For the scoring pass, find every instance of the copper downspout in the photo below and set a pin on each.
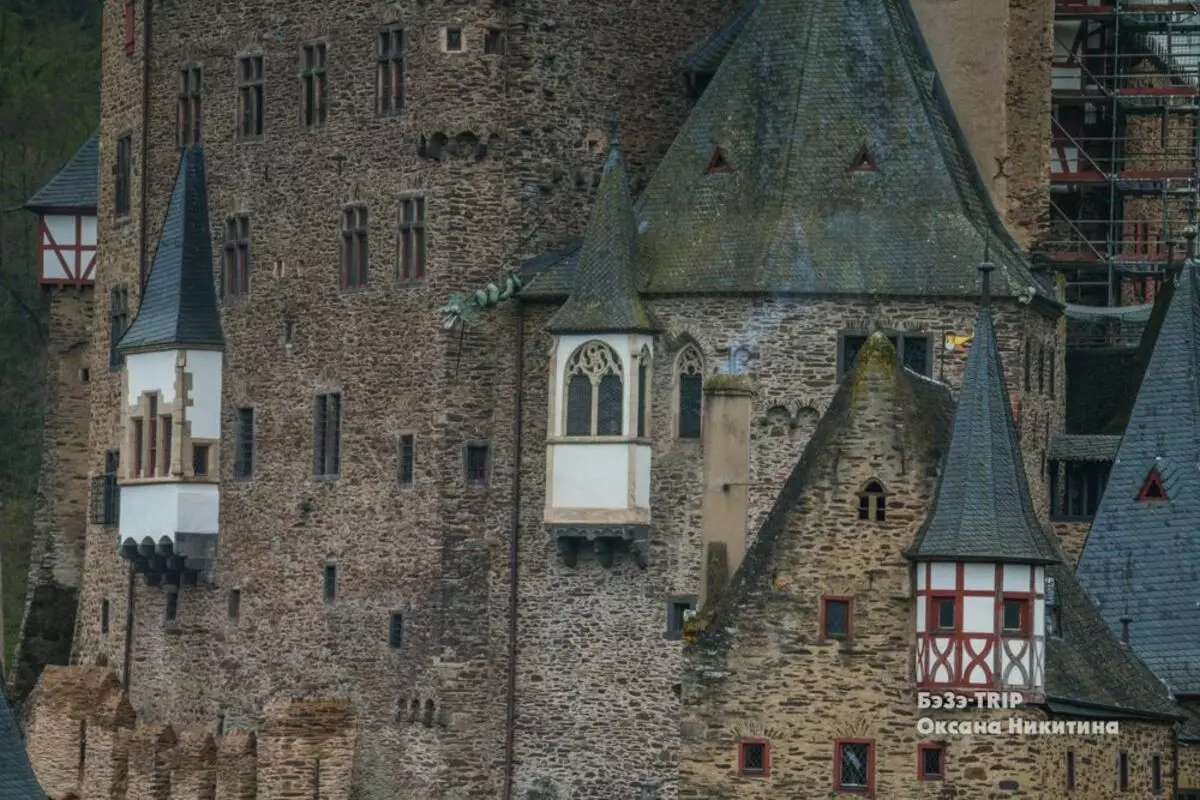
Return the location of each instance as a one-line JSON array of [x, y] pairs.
[[510, 724]]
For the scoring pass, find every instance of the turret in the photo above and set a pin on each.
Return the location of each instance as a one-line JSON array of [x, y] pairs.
[[980, 558], [598, 453], [170, 456]]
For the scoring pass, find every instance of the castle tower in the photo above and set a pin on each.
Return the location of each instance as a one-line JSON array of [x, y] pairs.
[[980, 558], [170, 495], [598, 453]]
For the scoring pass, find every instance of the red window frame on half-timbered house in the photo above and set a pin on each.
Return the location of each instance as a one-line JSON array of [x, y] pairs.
[[1023, 603], [749, 753], [839, 784]]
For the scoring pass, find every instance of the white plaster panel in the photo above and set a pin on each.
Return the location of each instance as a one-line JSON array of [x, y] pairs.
[[62, 228], [920, 570], [979, 577], [978, 674], [157, 510], [88, 232], [979, 614], [52, 268], [944, 576], [642, 478], [1039, 616], [150, 372], [591, 475], [1016, 577], [205, 411], [1039, 579], [922, 614], [941, 674]]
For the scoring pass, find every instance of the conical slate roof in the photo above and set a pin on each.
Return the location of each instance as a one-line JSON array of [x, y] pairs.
[[17, 781], [1142, 557], [74, 187], [847, 171], [179, 304], [605, 298], [982, 510]]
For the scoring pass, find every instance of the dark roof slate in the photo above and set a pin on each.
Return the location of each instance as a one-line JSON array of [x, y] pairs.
[[604, 297], [707, 57], [74, 187], [179, 303], [805, 86], [1142, 558], [982, 510], [1083, 447], [17, 781]]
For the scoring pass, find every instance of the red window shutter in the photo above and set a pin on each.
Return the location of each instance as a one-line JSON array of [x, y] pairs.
[[129, 26]]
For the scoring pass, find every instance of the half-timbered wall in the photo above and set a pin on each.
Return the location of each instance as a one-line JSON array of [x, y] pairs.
[[67, 245]]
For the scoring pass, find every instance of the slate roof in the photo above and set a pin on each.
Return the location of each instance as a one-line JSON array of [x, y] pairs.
[[604, 297], [707, 57], [1083, 447], [179, 303], [1142, 558], [74, 187], [17, 781], [982, 510], [805, 86]]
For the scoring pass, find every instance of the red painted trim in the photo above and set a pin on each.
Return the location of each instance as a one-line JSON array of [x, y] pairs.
[[837, 766], [1153, 490], [766, 770], [75, 276], [849, 601], [922, 775]]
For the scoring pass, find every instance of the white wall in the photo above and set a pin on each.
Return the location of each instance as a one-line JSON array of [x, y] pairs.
[[591, 475], [157, 510], [205, 411], [62, 229], [150, 372], [641, 478]]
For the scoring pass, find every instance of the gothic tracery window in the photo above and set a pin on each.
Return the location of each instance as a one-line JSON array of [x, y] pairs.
[[643, 405], [690, 371], [594, 391]]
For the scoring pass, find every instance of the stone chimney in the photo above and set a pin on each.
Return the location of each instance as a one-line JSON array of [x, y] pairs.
[[726, 503]]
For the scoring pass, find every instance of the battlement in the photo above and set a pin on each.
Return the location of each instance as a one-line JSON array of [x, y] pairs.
[[85, 741]]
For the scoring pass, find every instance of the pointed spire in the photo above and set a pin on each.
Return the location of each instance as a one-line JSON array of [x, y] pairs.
[[179, 304], [982, 510], [605, 297]]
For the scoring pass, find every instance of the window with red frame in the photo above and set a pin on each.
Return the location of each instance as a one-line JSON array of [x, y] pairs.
[[943, 613], [754, 759], [931, 762], [1015, 620], [854, 765]]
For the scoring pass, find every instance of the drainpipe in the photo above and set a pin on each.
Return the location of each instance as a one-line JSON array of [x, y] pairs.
[[510, 723], [128, 664], [145, 181]]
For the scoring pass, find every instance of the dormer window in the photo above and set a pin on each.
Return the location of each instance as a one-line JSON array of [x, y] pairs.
[[595, 394], [872, 502], [1152, 489]]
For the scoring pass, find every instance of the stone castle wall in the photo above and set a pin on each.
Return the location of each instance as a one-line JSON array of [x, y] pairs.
[[61, 510], [85, 742]]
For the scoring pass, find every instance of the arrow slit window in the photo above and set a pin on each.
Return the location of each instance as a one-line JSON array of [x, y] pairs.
[[594, 391], [121, 174]]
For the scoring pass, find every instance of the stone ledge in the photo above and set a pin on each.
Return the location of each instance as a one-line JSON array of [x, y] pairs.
[[605, 541]]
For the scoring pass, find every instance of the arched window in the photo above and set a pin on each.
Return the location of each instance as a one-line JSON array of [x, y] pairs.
[[689, 369], [643, 406], [872, 502], [594, 391]]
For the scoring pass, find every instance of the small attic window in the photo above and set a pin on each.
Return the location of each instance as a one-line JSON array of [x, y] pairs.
[[1152, 489], [718, 162], [872, 502], [864, 161]]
